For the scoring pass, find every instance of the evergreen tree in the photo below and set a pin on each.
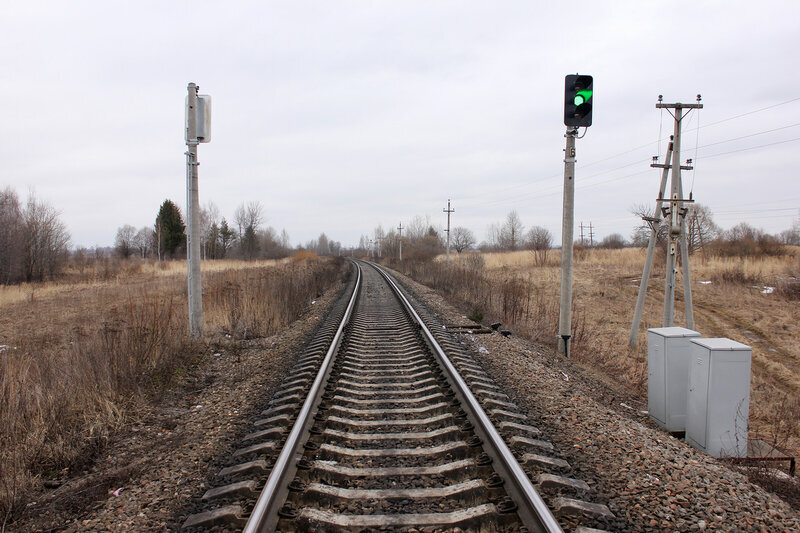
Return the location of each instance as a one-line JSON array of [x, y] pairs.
[[226, 237], [249, 243], [170, 230]]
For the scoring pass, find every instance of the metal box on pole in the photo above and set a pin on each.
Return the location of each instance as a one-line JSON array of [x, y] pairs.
[[668, 355], [203, 119], [719, 397]]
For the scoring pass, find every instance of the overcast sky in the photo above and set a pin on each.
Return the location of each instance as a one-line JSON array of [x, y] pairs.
[[339, 116]]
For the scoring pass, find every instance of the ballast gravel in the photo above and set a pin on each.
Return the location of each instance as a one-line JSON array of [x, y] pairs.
[[648, 479]]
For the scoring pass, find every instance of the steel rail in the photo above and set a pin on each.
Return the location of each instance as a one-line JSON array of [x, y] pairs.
[[531, 507], [265, 513]]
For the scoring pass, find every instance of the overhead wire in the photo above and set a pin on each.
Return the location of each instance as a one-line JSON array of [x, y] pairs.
[[752, 148], [500, 201]]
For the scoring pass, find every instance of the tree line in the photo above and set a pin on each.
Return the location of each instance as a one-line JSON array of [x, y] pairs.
[[242, 238], [423, 240], [34, 243]]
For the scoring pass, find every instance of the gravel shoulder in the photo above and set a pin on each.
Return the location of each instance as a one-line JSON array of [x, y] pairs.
[[650, 480], [148, 474]]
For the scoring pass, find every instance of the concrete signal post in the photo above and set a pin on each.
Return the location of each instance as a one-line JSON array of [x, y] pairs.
[[578, 102], [197, 130]]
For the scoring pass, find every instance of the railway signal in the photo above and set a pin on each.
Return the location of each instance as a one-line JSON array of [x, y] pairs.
[[578, 100], [197, 129]]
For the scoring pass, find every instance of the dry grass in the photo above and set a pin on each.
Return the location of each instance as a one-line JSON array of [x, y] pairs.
[[113, 272], [605, 285], [76, 358]]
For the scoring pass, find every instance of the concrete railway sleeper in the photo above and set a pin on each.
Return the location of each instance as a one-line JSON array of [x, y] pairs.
[[385, 424]]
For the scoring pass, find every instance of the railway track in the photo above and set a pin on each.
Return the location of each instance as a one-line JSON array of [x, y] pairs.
[[385, 426]]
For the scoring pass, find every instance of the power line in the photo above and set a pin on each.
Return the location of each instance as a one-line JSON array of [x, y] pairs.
[[506, 200], [752, 112], [751, 148], [751, 135], [742, 211]]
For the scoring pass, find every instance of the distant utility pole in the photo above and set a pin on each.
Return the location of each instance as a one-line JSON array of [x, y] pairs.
[[583, 242], [591, 236], [448, 211], [197, 130], [400, 229], [677, 229]]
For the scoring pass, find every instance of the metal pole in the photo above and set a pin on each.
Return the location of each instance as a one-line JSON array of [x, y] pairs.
[[687, 279], [400, 229], [565, 315], [195, 286], [651, 248], [675, 223], [448, 211]]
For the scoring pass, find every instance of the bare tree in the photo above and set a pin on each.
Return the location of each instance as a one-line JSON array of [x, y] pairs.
[[45, 241], [510, 236], [11, 237], [124, 242], [323, 245], [539, 241], [613, 241], [378, 237], [255, 214], [284, 239], [249, 218], [418, 228], [143, 241], [209, 229], [791, 236], [700, 226], [462, 239], [240, 218], [493, 239]]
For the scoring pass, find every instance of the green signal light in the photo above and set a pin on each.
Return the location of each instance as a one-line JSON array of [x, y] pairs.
[[581, 97]]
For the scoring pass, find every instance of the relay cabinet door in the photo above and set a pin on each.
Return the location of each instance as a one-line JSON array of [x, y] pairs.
[[656, 385], [697, 408]]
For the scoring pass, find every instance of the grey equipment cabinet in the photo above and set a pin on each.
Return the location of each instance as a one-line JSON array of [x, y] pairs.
[[668, 355], [719, 397]]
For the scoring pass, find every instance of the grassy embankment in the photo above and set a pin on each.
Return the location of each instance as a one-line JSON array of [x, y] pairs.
[[81, 356], [512, 288]]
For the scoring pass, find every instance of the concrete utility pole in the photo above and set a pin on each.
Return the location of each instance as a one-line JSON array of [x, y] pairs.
[[400, 229], [591, 236], [677, 229], [448, 211], [565, 314], [195, 285], [654, 222], [583, 242], [676, 236]]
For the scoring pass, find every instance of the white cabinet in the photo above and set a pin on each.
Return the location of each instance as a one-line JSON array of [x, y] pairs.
[[668, 354], [719, 397]]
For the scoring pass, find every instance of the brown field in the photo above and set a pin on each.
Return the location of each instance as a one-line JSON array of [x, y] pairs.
[[81, 357], [510, 288]]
